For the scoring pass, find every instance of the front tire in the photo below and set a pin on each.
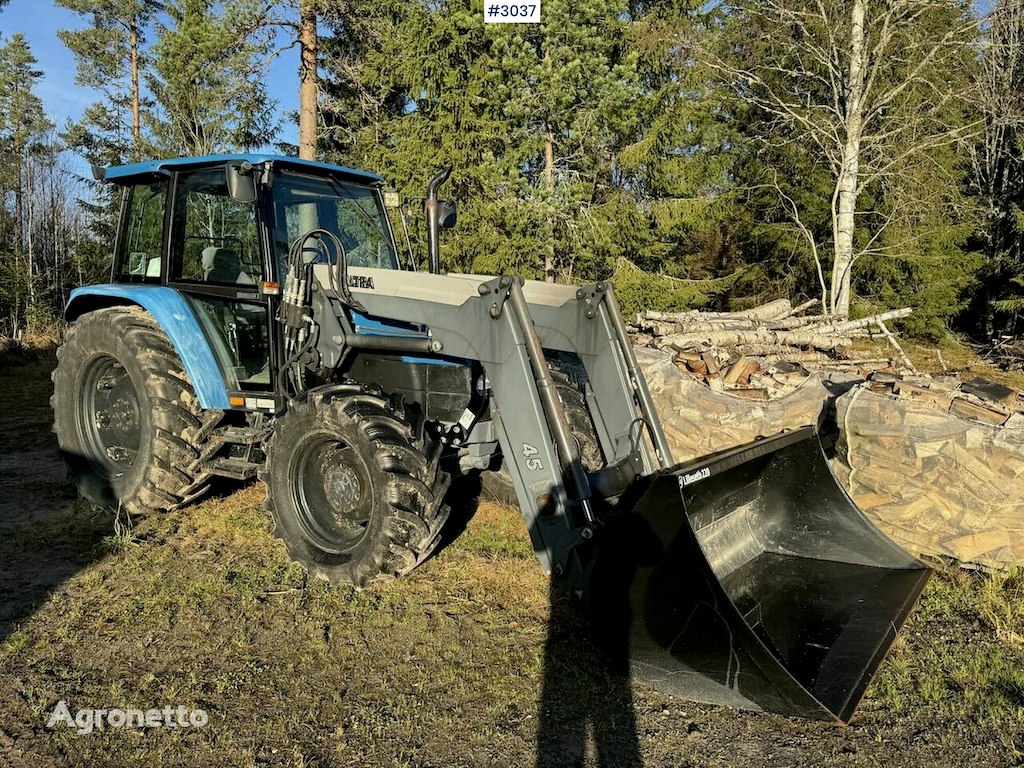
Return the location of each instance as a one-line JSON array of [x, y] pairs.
[[351, 496], [128, 423]]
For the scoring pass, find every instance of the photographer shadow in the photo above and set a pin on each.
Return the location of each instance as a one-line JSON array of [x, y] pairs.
[[587, 714]]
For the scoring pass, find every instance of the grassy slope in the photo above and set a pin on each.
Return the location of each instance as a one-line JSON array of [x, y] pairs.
[[445, 668]]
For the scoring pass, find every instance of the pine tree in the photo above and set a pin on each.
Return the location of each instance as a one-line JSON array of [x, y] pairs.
[[110, 58], [997, 178], [410, 87], [206, 83], [574, 141], [22, 126], [675, 169], [291, 24]]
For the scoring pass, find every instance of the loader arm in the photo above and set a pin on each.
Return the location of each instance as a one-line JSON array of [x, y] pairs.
[[504, 323], [747, 578]]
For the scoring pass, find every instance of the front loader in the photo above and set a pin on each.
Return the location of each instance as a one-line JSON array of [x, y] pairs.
[[260, 321]]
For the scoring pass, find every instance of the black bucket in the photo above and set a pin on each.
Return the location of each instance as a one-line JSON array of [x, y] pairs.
[[754, 582]]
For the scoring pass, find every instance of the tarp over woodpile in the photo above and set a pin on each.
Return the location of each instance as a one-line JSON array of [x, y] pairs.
[[935, 483], [698, 421]]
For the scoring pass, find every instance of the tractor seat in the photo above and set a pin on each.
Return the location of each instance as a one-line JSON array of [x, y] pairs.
[[221, 265]]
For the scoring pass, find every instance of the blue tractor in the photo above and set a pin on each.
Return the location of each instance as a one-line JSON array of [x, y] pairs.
[[260, 320]]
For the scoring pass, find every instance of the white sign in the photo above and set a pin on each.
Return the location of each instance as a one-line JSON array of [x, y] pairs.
[[507, 12]]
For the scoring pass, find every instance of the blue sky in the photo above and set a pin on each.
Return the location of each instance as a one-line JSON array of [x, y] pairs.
[[63, 99]]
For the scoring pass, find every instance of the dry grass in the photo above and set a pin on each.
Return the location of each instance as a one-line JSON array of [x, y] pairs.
[[206, 611], [446, 667], [953, 356]]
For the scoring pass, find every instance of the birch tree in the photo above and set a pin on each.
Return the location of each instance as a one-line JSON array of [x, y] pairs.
[[866, 86]]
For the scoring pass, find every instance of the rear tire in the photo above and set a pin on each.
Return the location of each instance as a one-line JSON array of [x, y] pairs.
[[351, 496], [128, 423], [576, 411], [498, 483]]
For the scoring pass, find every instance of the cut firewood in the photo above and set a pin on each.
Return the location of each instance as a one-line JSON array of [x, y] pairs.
[[967, 410], [786, 366], [711, 363], [740, 370], [990, 390], [699, 367], [905, 387], [686, 356], [884, 377]]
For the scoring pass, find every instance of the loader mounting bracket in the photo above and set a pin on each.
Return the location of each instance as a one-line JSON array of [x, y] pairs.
[[592, 295], [500, 288]]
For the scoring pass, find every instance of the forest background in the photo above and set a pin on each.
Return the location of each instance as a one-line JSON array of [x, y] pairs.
[[866, 153]]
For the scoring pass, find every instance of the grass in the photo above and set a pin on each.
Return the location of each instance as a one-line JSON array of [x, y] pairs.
[[442, 668], [206, 610], [963, 654], [464, 663]]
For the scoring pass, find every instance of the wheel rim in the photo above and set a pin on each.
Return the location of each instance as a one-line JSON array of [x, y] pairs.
[[331, 493], [109, 415]]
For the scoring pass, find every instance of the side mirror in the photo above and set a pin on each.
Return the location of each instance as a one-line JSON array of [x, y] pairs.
[[241, 181], [447, 213]]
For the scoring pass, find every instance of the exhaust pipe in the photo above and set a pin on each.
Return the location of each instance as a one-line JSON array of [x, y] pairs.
[[434, 217]]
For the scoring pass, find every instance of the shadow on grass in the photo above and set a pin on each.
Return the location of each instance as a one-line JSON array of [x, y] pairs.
[[46, 534], [587, 715], [586, 707]]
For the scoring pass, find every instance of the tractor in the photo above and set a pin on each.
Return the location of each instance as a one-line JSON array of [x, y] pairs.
[[261, 321]]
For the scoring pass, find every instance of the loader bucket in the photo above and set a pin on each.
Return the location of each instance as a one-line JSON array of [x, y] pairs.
[[755, 582]]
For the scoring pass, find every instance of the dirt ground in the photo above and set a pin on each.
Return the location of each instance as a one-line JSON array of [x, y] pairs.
[[468, 662]]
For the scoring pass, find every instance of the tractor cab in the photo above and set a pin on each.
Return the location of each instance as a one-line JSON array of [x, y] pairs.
[[218, 230]]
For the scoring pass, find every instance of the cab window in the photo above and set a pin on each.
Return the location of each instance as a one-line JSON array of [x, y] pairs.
[[216, 238], [352, 212], [141, 244]]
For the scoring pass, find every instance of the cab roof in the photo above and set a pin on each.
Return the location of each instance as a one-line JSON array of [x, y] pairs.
[[127, 174]]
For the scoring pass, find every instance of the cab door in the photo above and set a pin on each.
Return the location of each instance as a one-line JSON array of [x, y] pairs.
[[215, 261]]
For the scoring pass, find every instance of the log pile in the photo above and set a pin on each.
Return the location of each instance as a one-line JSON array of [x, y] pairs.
[[977, 400], [936, 462], [937, 483], [698, 420], [764, 352]]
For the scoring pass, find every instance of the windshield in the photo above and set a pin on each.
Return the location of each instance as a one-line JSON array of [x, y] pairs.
[[352, 212]]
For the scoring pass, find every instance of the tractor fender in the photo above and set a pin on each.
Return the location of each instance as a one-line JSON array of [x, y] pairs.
[[175, 316]]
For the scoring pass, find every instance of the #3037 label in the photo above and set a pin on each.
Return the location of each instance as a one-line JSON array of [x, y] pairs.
[[507, 12]]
